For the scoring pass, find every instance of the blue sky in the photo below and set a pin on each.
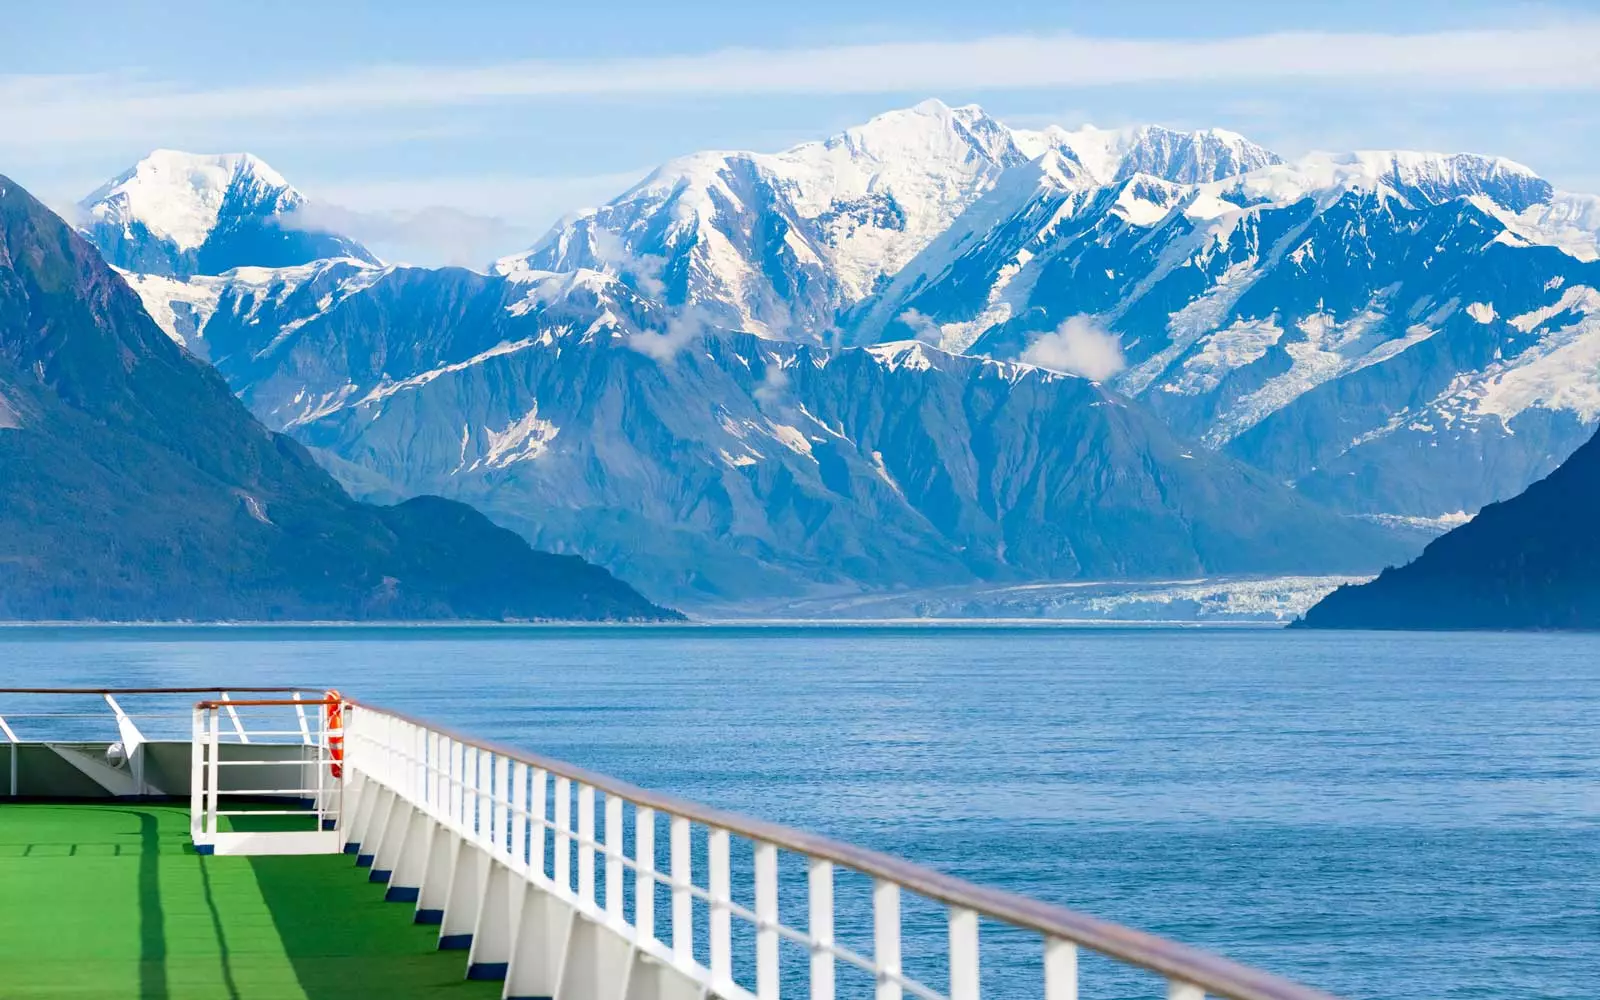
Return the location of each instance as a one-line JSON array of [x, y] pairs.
[[503, 115]]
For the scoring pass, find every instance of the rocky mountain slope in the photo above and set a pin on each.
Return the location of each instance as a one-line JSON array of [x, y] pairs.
[[709, 465], [1531, 562], [1401, 337], [782, 244], [1395, 334], [134, 486], [1404, 336]]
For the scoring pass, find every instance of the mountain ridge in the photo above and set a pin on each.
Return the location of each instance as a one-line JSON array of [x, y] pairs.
[[134, 486], [1401, 336]]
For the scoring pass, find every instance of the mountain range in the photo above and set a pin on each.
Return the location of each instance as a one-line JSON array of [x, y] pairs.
[[935, 349], [133, 485]]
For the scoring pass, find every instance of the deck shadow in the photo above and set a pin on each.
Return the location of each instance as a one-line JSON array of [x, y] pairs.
[[343, 940]]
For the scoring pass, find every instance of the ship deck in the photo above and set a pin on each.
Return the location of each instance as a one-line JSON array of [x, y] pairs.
[[111, 901]]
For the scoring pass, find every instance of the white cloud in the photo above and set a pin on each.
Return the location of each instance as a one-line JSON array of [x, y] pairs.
[[681, 332], [466, 221], [1078, 347], [1553, 57], [432, 236], [922, 326]]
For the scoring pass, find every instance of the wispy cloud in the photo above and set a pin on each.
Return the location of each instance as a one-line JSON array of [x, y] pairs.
[[1554, 57], [431, 235], [462, 220], [1078, 346]]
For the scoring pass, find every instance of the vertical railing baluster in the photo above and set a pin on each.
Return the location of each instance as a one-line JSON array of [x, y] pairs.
[[963, 954], [213, 746], [1060, 970], [886, 938], [458, 783], [430, 788], [586, 843], [484, 776], [197, 750], [820, 927], [614, 858], [563, 852], [644, 883], [539, 808], [519, 815], [682, 900], [766, 865], [501, 798], [720, 925], [419, 743], [1179, 990]]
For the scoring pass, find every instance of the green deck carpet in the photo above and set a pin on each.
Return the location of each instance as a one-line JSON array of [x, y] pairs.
[[110, 901]]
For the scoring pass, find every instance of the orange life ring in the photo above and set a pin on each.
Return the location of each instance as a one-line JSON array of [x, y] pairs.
[[334, 724]]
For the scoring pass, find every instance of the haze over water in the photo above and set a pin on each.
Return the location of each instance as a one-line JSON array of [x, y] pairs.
[[1378, 815]]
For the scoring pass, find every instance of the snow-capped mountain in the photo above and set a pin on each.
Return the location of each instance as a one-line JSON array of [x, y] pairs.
[[1401, 336], [180, 214], [781, 244], [1394, 333], [711, 465]]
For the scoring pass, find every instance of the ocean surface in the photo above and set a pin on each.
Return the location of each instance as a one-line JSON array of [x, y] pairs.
[[1378, 815]]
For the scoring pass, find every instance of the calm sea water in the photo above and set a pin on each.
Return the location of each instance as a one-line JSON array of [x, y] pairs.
[[1377, 815]]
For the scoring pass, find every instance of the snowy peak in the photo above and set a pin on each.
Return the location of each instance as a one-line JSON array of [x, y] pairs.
[[1110, 155], [930, 128], [175, 213], [179, 196], [778, 244], [1440, 177], [1192, 157]]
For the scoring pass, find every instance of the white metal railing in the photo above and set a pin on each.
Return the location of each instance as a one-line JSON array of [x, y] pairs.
[[299, 750], [125, 718], [517, 808]]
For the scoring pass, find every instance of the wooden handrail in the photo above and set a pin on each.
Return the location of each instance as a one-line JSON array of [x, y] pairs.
[[247, 703]]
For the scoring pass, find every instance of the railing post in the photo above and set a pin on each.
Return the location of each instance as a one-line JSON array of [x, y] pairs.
[[614, 858], [197, 774], [419, 764], [820, 904], [519, 815], [563, 841], [1179, 990], [644, 883], [213, 747], [300, 712], [963, 954], [499, 799], [483, 782], [1060, 970], [430, 789], [458, 784], [886, 938], [682, 900], [720, 885], [234, 715], [586, 844], [766, 864], [11, 741], [539, 809]]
